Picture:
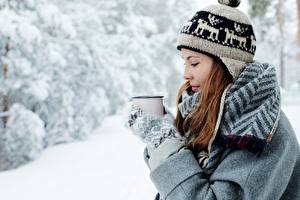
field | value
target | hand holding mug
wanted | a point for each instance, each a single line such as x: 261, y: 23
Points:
x: 153, y: 128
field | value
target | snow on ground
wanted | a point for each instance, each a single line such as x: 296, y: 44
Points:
x: 109, y: 166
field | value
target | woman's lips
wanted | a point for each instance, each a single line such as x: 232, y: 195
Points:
x: 195, y: 88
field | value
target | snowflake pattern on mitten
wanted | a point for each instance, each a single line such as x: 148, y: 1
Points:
x: 151, y: 129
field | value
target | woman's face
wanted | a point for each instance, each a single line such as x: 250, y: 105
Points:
x: 197, y: 67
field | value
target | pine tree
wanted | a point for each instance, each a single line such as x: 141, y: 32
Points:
x: 21, y: 137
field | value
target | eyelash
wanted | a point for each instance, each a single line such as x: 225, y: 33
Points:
x: 194, y: 65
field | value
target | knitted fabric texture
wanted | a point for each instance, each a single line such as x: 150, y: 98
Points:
x: 251, y: 109
x: 223, y: 32
x: 151, y: 129
x: 250, y: 115
x: 188, y: 103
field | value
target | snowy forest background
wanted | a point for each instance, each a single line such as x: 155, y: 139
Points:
x: 67, y: 65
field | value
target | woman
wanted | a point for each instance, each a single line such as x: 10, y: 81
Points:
x: 230, y: 139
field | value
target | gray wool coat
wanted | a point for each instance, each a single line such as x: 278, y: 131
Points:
x: 253, y: 154
x: 238, y: 174
x: 274, y: 174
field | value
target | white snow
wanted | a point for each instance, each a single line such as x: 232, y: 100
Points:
x: 52, y: 15
x: 22, y: 139
x: 109, y: 165
x: 39, y: 89
x: 68, y: 63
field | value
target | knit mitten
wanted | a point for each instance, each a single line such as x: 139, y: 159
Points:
x: 151, y: 129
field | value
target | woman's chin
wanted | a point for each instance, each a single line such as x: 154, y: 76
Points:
x: 195, y: 89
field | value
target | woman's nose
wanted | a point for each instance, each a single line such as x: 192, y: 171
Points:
x: 187, y: 75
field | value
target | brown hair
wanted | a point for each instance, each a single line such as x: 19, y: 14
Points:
x: 202, y: 122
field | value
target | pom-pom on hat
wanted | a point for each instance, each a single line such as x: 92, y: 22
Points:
x: 221, y: 31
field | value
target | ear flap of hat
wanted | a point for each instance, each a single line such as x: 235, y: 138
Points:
x: 235, y: 67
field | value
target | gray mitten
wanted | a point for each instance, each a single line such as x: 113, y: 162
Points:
x: 188, y: 103
x: 151, y: 129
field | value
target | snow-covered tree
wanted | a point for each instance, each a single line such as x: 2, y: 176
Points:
x: 275, y: 25
x: 132, y: 44
x: 70, y: 69
x: 23, y: 82
x: 22, y: 139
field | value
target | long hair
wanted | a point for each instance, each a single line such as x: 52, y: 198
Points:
x: 203, y: 120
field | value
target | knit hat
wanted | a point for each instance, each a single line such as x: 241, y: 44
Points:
x: 221, y: 31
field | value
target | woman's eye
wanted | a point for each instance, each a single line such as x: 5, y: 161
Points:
x: 194, y: 64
